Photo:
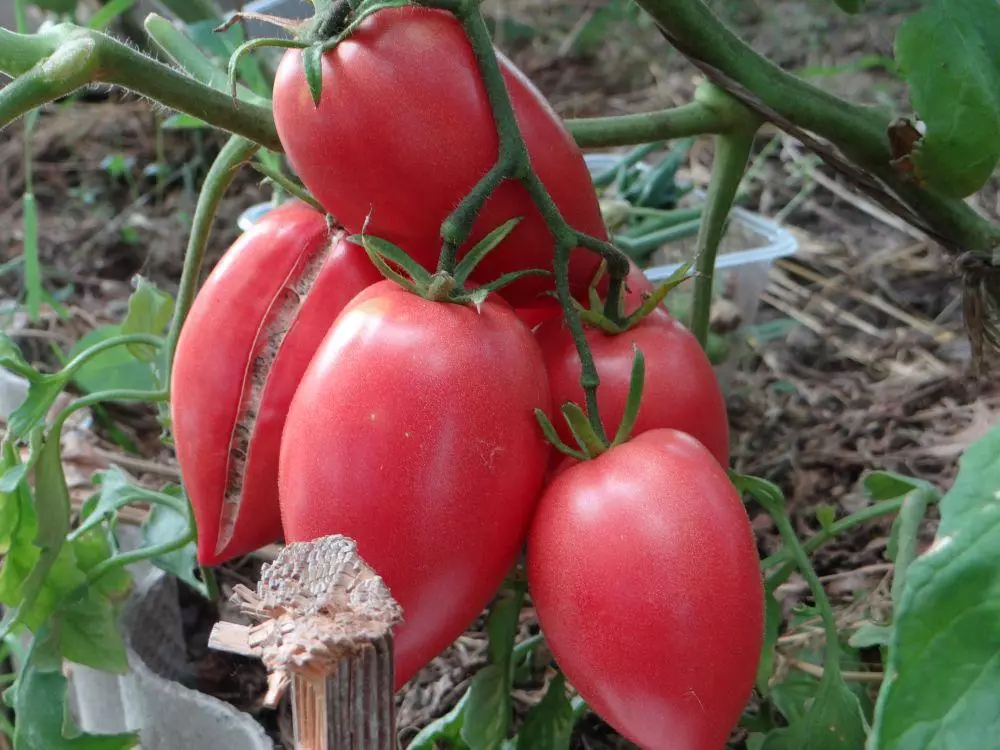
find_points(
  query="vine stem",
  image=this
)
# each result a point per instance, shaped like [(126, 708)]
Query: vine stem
[(57, 62), (690, 119), (732, 152), (514, 162), (859, 132), (865, 515), (220, 176)]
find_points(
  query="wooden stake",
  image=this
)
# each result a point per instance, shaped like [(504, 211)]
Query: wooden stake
[(323, 627)]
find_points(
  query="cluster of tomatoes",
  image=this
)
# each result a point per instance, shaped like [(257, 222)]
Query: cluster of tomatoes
[(311, 396)]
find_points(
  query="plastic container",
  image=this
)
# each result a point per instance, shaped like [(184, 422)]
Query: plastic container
[(748, 249)]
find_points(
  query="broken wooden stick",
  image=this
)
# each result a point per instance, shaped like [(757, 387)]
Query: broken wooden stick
[(323, 626)]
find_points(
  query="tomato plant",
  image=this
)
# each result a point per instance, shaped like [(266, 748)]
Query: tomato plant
[(407, 437), (403, 413), (681, 390), (417, 63), (251, 332), (643, 571)]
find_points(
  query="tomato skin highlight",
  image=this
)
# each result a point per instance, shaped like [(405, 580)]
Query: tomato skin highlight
[(415, 65), (681, 390), (645, 577), (213, 381), (413, 432)]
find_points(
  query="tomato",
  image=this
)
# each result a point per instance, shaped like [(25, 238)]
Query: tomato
[(681, 390), (251, 332), (644, 574), (413, 432), (404, 130)]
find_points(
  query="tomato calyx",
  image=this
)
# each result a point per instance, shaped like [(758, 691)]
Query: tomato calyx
[(444, 285), (589, 444), (614, 322)]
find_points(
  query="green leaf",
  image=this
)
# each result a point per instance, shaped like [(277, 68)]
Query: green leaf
[(44, 721), (870, 634), (483, 248), (941, 681), (793, 695), (10, 355), (312, 66), (12, 477), (764, 492), (162, 525), (149, 311), (488, 713), (772, 626), (88, 632), (888, 485), (834, 720), (826, 515), (851, 6), (91, 549), (42, 394), (549, 724), (17, 534), (949, 54), (181, 121), (109, 12), (487, 716), (113, 368), (56, 6)]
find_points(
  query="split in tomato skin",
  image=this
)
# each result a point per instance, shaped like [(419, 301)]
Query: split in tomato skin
[(681, 390), (645, 577), (249, 336), (415, 66), (413, 432)]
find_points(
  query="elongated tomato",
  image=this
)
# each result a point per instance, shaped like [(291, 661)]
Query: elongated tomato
[(252, 330), (404, 131), (413, 432), (644, 573)]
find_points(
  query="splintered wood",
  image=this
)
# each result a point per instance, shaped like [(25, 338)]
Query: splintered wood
[(323, 627)]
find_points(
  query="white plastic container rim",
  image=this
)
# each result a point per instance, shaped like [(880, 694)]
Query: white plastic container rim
[(779, 242)]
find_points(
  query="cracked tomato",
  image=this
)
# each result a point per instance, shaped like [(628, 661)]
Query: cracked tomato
[(252, 330)]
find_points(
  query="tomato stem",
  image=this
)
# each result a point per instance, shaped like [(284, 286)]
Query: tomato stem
[(514, 162), (732, 152)]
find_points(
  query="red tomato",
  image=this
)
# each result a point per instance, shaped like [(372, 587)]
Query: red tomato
[(404, 130), (251, 332), (645, 577), (681, 390), (413, 432)]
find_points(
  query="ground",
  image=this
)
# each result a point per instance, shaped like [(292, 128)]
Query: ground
[(865, 364)]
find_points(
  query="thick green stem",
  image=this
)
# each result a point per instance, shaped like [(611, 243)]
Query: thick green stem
[(57, 62), (731, 155), (861, 133), (630, 130), (221, 175)]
